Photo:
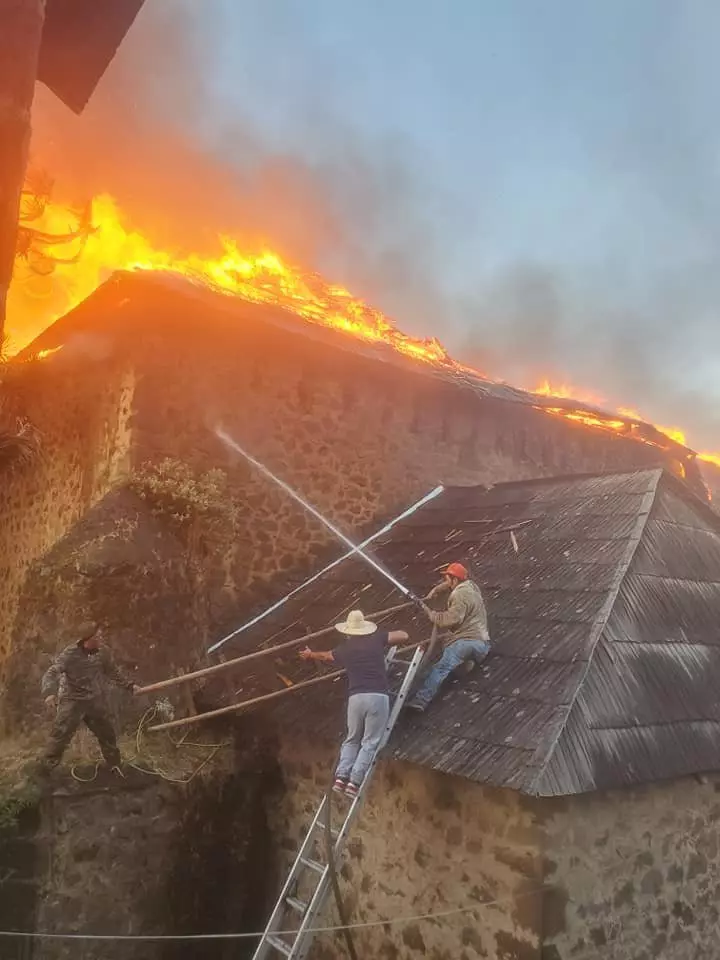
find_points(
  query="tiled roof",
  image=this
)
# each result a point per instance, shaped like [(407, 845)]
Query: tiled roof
[(605, 664)]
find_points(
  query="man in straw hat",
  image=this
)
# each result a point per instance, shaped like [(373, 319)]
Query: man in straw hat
[(362, 654), (74, 687), (466, 622)]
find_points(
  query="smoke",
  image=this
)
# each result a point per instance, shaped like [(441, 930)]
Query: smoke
[(165, 138), (141, 139), (533, 322)]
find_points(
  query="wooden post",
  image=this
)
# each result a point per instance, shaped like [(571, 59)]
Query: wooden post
[(21, 23)]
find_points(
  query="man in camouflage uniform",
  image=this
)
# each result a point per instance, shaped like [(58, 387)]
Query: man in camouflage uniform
[(74, 686)]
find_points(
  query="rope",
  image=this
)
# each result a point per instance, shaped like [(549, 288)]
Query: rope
[(150, 714), (360, 925), (85, 779)]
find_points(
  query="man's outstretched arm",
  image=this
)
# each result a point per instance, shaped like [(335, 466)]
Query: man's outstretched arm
[(323, 656), (115, 674)]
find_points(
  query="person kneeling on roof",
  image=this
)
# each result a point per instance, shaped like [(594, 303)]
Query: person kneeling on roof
[(368, 708), (466, 622)]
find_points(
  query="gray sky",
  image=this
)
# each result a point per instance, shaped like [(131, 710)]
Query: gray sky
[(535, 183)]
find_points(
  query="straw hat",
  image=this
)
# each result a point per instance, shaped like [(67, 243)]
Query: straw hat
[(356, 625)]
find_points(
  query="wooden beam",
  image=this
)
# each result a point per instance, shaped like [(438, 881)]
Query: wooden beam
[(270, 651), (234, 707)]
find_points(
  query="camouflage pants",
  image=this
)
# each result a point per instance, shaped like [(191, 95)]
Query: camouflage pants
[(70, 714)]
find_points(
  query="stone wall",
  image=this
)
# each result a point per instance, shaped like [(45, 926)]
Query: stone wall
[(626, 875), (424, 843), (123, 568), (145, 857), (360, 438), (82, 416), (636, 874)]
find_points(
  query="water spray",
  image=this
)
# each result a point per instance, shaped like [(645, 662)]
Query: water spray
[(316, 576), (354, 548), (226, 438)]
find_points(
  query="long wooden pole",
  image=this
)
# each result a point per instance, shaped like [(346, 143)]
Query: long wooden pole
[(270, 651), (184, 721), (246, 703)]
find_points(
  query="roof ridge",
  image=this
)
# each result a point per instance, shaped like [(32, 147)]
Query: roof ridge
[(563, 477), (601, 619)]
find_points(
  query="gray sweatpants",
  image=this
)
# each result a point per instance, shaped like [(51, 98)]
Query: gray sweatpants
[(367, 717)]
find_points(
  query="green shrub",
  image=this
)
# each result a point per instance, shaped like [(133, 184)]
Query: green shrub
[(173, 491)]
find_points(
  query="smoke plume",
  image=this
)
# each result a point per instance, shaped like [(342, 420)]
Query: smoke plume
[(160, 136)]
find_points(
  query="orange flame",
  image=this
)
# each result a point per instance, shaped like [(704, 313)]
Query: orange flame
[(563, 391), (38, 299), (62, 273), (624, 422)]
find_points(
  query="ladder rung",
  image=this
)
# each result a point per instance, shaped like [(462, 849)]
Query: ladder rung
[(303, 937), (279, 944), (298, 905), (333, 832)]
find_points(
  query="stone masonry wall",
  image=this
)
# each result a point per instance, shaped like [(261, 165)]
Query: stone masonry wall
[(424, 843), (637, 874), (143, 857), (82, 414), (361, 439), (120, 567)]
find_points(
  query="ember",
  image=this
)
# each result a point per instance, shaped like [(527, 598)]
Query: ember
[(70, 251)]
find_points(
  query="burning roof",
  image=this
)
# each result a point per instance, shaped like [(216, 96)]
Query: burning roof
[(54, 278), (139, 292)]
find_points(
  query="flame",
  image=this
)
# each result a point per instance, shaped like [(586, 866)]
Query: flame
[(69, 251), (38, 299), (48, 352), (675, 433), (627, 420), (564, 391)]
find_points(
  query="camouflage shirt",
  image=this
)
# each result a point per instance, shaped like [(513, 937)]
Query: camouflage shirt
[(76, 674)]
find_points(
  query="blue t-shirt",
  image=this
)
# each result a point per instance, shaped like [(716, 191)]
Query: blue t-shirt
[(364, 660)]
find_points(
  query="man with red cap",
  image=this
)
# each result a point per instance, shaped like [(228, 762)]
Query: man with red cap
[(465, 620)]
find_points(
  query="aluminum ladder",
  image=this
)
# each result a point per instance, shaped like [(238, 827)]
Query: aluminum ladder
[(291, 913)]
